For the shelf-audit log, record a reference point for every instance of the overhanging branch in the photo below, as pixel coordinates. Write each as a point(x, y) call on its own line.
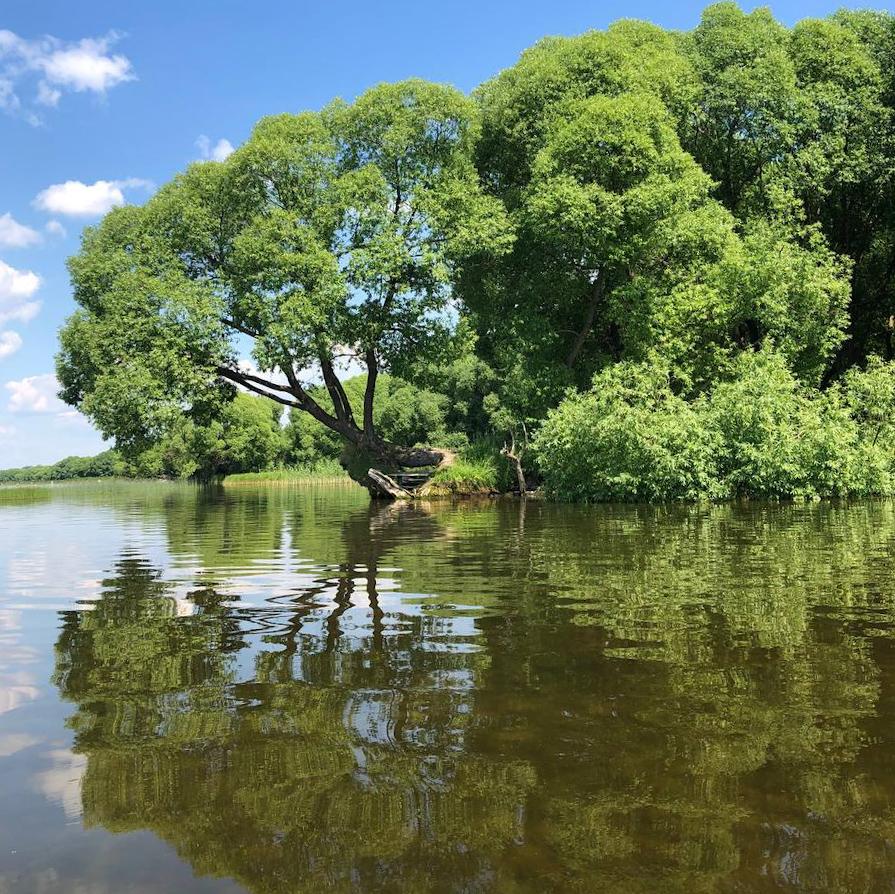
point(249, 382)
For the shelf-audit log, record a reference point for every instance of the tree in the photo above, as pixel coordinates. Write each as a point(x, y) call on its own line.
point(402, 413)
point(325, 233)
point(622, 253)
point(803, 119)
point(246, 438)
point(745, 112)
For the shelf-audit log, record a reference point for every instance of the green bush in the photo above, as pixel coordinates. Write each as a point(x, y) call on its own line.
point(628, 438)
point(760, 433)
point(780, 439)
point(247, 438)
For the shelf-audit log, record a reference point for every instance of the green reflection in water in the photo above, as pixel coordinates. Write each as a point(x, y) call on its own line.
point(497, 697)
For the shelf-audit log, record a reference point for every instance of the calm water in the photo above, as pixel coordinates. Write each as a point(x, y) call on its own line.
point(289, 689)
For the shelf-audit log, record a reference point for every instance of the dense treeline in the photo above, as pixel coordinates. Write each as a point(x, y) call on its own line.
point(667, 257)
point(252, 435)
point(105, 465)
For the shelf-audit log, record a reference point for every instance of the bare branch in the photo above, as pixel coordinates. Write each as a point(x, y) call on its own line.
point(248, 383)
point(232, 324)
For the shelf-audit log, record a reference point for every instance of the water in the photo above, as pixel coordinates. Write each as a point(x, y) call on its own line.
point(290, 689)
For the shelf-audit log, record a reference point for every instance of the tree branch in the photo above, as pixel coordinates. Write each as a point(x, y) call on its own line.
point(346, 428)
point(239, 327)
point(369, 393)
point(249, 382)
point(336, 391)
point(595, 296)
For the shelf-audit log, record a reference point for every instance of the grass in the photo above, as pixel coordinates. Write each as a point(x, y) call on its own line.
point(322, 470)
point(463, 478)
point(478, 469)
point(480, 475)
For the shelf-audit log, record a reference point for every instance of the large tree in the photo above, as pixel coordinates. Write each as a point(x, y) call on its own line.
point(327, 234)
point(803, 119)
point(622, 251)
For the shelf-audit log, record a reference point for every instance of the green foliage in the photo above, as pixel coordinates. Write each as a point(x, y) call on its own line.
point(624, 248)
point(403, 414)
point(803, 119)
point(759, 433)
point(343, 227)
point(247, 438)
point(465, 380)
point(870, 397)
point(778, 438)
point(479, 467)
point(674, 253)
point(465, 477)
point(628, 438)
point(104, 465)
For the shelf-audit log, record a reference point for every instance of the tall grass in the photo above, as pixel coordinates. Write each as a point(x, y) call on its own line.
point(324, 470)
point(478, 468)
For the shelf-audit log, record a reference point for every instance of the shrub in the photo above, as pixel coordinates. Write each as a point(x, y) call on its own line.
point(778, 438)
point(760, 433)
point(628, 438)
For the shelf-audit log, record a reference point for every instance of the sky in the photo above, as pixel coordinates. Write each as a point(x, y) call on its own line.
point(102, 101)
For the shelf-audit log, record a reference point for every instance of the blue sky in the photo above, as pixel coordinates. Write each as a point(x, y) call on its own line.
point(100, 101)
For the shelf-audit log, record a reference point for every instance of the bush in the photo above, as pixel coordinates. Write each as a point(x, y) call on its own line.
point(761, 433)
point(628, 438)
point(247, 438)
point(780, 439)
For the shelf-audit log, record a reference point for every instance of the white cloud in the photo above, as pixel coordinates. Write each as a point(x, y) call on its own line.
point(76, 199)
point(16, 235)
point(17, 287)
point(10, 342)
point(8, 99)
point(218, 152)
point(56, 229)
point(61, 783)
point(86, 65)
point(47, 95)
point(34, 394)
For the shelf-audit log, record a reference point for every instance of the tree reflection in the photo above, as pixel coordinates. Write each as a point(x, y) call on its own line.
point(463, 698)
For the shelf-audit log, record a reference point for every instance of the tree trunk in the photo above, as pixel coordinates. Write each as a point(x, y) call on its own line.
point(369, 393)
point(515, 459)
point(516, 463)
point(385, 486)
point(596, 294)
point(361, 465)
point(369, 449)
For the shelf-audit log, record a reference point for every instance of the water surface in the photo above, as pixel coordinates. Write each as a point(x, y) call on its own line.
point(277, 690)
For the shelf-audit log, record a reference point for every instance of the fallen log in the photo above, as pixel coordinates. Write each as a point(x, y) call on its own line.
point(381, 485)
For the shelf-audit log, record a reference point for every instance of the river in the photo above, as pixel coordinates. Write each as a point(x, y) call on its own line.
point(292, 689)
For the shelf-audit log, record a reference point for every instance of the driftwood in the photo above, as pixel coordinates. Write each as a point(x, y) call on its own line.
point(381, 485)
point(514, 456)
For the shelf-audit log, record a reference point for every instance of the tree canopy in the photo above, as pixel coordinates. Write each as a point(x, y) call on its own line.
point(325, 233)
point(628, 198)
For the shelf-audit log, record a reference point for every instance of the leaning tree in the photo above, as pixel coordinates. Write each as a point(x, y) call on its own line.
point(327, 235)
